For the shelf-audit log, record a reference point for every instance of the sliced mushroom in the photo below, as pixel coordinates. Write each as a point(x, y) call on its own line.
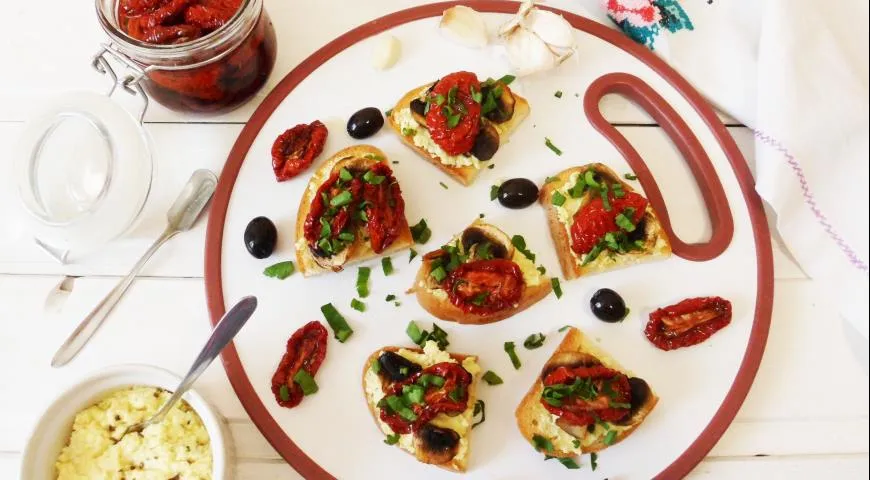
point(486, 143)
point(569, 359)
point(436, 445)
point(639, 232)
point(334, 262)
point(396, 367)
point(505, 105)
point(577, 431)
point(480, 233)
point(418, 111)
point(640, 392)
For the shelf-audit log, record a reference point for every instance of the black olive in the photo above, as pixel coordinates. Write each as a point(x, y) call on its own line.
point(608, 306)
point(261, 237)
point(486, 143)
point(397, 367)
point(473, 235)
point(365, 123)
point(639, 393)
point(419, 107)
point(639, 232)
point(438, 440)
point(517, 193)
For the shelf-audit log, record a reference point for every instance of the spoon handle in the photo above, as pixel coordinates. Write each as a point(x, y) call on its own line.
point(86, 329)
point(222, 334)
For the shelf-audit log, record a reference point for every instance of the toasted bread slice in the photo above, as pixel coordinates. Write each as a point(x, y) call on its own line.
point(434, 299)
point(358, 156)
point(455, 460)
point(656, 244)
point(536, 421)
point(400, 118)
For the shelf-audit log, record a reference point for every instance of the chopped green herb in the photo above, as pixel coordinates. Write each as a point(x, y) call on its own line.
point(492, 378)
point(542, 270)
point(490, 166)
point(535, 340)
point(493, 192)
point(510, 348)
point(388, 112)
point(439, 274)
point(362, 281)
point(605, 197)
point(593, 460)
point(371, 178)
point(630, 176)
point(387, 265)
point(413, 394)
point(566, 327)
point(357, 305)
point(579, 188)
point(618, 191)
point(480, 299)
point(439, 336)
point(453, 120)
point(558, 199)
point(625, 223)
point(576, 443)
point(479, 409)
point(476, 95)
point(346, 237)
point(338, 324)
point(376, 366)
point(569, 463)
point(439, 99)
point(408, 132)
point(520, 243)
point(392, 439)
point(411, 255)
point(417, 336)
point(610, 437)
point(306, 382)
point(558, 94)
point(284, 393)
point(507, 79)
point(443, 185)
point(421, 232)
point(557, 287)
point(345, 175)
point(483, 251)
point(280, 270)
point(481, 216)
point(549, 144)
point(457, 393)
point(593, 254)
point(428, 379)
point(395, 162)
point(589, 178)
point(542, 444)
point(390, 298)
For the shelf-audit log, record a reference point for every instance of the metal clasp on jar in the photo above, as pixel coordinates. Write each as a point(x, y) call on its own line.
point(130, 82)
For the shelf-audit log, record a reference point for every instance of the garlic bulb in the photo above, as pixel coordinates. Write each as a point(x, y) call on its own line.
point(464, 26)
point(537, 40)
point(386, 52)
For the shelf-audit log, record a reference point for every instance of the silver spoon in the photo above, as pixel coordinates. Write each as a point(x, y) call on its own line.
point(223, 332)
point(181, 217)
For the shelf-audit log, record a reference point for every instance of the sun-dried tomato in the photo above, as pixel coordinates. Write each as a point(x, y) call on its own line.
point(166, 22)
point(451, 397)
point(687, 323)
point(597, 393)
point(305, 350)
point(296, 149)
point(593, 221)
point(483, 287)
point(453, 119)
point(385, 209)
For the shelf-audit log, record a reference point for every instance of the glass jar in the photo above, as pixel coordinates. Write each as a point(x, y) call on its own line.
point(211, 74)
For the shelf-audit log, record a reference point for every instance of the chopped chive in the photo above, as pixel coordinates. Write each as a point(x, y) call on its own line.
point(376, 366)
point(284, 393)
point(490, 166)
point(357, 305)
point(535, 340)
point(395, 162)
point(542, 270)
point(589, 178)
point(610, 437)
point(443, 185)
point(507, 79)
point(493, 192)
point(345, 175)
point(392, 439)
point(417, 336)
point(371, 178)
point(557, 287)
point(481, 215)
point(457, 393)
point(411, 255)
point(520, 243)
point(552, 147)
point(630, 176)
point(558, 94)
point(479, 408)
point(362, 281)
point(566, 327)
point(421, 232)
point(492, 378)
point(408, 132)
point(510, 348)
point(605, 197)
point(625, 223)
point(338, 324)
point(576, 443)
point(306, 382)
point(558, 199)
point(569, 463)
point(439, 274)
point(593, 460)
point(346, 236)
point(280, 270)
point(542, 444)
point(387, 265)
point(390, 298)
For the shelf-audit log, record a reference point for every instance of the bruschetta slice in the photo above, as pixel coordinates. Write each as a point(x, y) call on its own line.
point(351, 211)
point(599, 223)
point(459, 122)
point(480, 276)
point(583, 401)
point(423, 401)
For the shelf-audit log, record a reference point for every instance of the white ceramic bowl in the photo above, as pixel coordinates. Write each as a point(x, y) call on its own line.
point(52, 431)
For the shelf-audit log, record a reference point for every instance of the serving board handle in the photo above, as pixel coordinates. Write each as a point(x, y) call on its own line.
point(686, 142)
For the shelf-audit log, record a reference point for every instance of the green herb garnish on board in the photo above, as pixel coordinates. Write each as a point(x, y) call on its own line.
point(593, 460)
point(557, 287)
point(357, 305)
point(387, 265)
point(392, 439)
point(510, 349)
point(520, 243)
point(493, 192)
point(535, 340)
point(306, 382)
point(542, 444)
point(339, 325)
point(411, 255)
point(362, 281)
point(421, 232)
point(630, 176)
point(554, 148)
point(280, 270)
point(479, 409)
point(492, 378)
point(558, 94)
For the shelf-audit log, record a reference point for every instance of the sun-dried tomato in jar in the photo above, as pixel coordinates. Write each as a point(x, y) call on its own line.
point(200, 56)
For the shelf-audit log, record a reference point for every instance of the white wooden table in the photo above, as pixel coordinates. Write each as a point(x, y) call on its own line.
point(806, 416)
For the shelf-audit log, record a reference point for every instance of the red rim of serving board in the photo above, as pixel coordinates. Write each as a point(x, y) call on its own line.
point(273, 432)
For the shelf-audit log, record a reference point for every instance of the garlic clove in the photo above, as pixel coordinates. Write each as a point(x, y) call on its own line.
point(464, 26)
point(527, 53)
point(518, 19)
point(553, 29)
point(386, 52)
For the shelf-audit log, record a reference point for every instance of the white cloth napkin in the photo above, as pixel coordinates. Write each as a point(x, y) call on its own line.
point(796, 72)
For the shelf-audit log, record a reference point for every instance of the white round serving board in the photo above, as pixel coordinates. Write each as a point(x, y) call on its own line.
point(334, 427)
